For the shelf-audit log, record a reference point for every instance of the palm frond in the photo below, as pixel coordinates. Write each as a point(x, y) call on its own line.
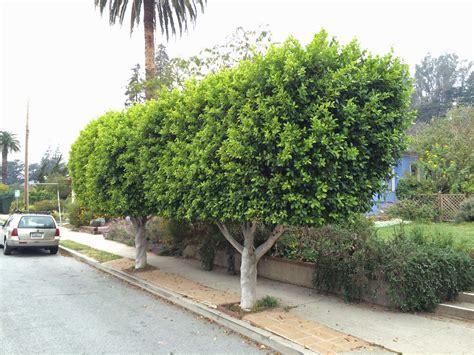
point(172, 15)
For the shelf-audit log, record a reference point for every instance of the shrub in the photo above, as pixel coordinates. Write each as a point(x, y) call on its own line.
point(207, 252)
point(44, 206)
point(36, 195)
point(420, 269)
point(466, 211)
point(78, 215)
point(420, 276)
point(120, 231)
point(301, 243)
point(413, 211)
point(154, 229)
point(264, 303)
point(409, 187)
point(345, 262)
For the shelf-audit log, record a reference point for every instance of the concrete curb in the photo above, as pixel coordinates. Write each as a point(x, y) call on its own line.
point(256, 334)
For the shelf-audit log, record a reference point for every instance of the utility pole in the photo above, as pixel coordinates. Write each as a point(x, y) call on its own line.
point(27, 134)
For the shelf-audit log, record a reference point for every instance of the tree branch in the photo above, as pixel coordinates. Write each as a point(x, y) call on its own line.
point(262, 249)
point(223, 228)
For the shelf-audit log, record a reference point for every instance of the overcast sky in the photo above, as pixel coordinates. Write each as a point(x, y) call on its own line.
point(73, 66)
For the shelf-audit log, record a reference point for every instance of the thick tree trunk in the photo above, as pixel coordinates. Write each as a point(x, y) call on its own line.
point(248, 278)
point(4, 166)
point(149, 27)
point(250, 258)
point(139, 224)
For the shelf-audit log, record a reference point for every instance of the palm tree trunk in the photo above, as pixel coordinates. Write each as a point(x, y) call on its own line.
point(4, 166)
point(150, 66)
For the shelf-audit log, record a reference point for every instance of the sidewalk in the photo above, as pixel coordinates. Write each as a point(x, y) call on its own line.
point(322, 323)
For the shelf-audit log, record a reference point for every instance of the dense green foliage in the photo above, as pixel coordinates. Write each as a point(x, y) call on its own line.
point(412, 210)
point(78, 215)
point(420, 269)
point(422, 275)
point(445, 148)
point(298, 136)
point(104, 165)
point(466, 211)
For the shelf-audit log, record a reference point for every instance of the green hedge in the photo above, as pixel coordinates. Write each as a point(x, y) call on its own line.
point(420, 270)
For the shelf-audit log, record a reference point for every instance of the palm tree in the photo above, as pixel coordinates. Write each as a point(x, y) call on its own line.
point(170, 13)
point(8, 143)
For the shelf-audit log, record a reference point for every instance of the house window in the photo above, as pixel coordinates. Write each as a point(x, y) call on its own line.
point(413, 169)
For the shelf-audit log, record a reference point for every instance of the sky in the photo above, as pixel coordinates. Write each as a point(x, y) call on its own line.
point(71, 66)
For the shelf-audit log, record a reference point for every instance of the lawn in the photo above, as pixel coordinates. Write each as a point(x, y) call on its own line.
point(100, 256)
point(463, 233)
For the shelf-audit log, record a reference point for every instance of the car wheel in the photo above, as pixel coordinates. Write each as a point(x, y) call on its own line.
point(53, 250)
point(6, 249)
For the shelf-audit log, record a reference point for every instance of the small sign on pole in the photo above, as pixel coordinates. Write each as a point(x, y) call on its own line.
point(17, 195)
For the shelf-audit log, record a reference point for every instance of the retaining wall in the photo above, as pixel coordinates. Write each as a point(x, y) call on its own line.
point(292, 272)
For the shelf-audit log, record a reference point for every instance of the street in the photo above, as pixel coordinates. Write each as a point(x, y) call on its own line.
point(56, 304)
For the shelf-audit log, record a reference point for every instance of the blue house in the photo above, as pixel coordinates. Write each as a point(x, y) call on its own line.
point(406, 167)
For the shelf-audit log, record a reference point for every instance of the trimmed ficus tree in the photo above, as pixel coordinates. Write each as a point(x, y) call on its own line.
point(106, 174)
point(300, 136)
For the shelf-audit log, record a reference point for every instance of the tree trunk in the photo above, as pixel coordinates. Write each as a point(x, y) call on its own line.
point(4, 166)
point(250, 258)
point(139, 224)
point(248, 278)
point(149, 27)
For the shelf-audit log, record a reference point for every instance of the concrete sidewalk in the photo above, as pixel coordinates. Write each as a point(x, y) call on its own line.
point(407, 333)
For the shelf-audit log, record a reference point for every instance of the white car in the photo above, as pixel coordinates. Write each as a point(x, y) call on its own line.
point(30, 230)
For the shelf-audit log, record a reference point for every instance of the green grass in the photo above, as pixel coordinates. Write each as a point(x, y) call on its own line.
point(99, 255)
point(462, 233)
point(265, 303)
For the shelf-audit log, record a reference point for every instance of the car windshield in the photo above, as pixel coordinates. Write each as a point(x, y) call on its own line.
point(36, 222)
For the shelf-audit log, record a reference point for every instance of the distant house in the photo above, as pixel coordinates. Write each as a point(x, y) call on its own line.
point(406, 167)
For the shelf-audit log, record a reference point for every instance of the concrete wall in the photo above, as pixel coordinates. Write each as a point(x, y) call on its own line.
point(291, 272)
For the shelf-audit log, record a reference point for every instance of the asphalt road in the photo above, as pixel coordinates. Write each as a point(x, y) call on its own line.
point(56, 304)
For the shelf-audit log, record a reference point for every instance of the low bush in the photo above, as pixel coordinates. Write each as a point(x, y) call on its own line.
point(40, 194)
point(411, 186)
point(121, 231)
point(420, 276)
point(420, 270)
point(267, 302)
point(411, 210)
point(78, 215)
point(466, 211)
point(44, 206)
point(207, 252)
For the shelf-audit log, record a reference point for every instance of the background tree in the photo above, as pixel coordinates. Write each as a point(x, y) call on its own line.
point(105, 170)
point(135, 90)
point(8, 143)
point(52, 163)
point(173, 73)
point(440, 82)
point(163, 80)
point(172, 16)
point(445, 148)
point(300, 136)
point(15, 172)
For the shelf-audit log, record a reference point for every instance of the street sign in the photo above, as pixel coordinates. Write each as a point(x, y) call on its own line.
point(17, 193)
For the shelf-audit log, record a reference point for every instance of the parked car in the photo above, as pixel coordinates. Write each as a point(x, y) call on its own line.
point(30, 230)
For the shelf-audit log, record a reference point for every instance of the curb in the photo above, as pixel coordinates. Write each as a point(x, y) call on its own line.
point(256, 334)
